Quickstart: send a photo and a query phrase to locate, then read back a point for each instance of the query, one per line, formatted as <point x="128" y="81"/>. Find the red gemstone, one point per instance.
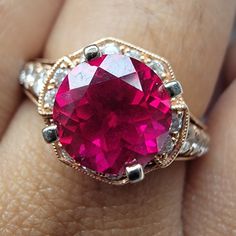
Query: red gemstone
<point x="112" y="111"/>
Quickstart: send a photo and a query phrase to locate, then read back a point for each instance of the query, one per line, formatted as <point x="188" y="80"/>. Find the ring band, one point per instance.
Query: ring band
<point x="127" y="72"/>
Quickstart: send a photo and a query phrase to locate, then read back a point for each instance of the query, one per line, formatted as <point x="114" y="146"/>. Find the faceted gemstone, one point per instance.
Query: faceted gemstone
<point x="111" y="112"/>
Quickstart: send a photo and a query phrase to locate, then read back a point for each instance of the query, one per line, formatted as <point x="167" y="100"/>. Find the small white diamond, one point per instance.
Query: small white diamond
<point x="59" y="75"/>
<point x="39" y="82"/>
<point x="133" y="53"/>
<point x="203" y="150"/>
<point x="176" y="122"/>
<point x="189" y="140"/>
<point x="168" y="146"/>
<point x="195" y="149"/>
<point x="110" y="48"/>
<point x="185" y="147"/>
<point x="38" y="85"/>
<point x="27" y="76"/>
<point x="50" y="98"/>
<point x="157" y="67"/>
<point x="22" y="77"/>
<point x="29" y="68"/>
<point x="29" y="81"/>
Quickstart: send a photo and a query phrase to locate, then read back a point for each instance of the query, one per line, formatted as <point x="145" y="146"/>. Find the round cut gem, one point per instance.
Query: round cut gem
<point x="111" y="112"/>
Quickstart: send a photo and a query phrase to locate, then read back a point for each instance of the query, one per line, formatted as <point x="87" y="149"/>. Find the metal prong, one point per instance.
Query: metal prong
<point x="50" y="133"/>
<point x="174" y="88"/>
<point x="135" y="173"/>
<point x="91" y="52"/>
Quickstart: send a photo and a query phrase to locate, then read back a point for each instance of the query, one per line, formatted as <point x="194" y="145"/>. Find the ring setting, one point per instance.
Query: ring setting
<point x="114" y="111"/>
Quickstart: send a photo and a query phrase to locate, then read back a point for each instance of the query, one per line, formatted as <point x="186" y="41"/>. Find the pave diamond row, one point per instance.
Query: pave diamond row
<point x="34" y="75"/>
<point x="196" y="143"/>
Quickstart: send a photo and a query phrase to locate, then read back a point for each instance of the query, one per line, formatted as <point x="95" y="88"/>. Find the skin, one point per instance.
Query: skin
<point x="41" y="196"/>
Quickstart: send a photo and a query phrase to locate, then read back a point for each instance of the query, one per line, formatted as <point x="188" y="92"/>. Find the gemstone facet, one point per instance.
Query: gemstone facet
<point x="112" y="112"/>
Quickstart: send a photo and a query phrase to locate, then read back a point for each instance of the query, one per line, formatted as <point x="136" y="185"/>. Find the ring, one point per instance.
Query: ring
<point x="114" y="111"/>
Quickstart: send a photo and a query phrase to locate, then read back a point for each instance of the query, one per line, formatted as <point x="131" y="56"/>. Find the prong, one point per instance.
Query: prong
<point x="174" y="88"/>
<point x="50" y="133"/>
<point x="91" y="51"/>
<point x="135" y="173"/>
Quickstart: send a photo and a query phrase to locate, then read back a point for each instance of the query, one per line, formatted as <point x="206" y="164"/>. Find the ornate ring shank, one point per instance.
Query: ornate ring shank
<point x="33" y="77"/>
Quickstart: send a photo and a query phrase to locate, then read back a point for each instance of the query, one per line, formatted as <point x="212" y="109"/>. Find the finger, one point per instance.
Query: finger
<point x="76" y="204"/>
<point x="210" y="200"/>
<point x="23" y="33"/>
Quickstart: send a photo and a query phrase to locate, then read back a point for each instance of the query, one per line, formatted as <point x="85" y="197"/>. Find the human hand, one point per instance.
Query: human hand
<point x="41" y="196"/>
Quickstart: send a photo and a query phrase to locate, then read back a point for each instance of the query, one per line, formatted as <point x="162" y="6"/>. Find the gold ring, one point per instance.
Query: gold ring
<point x="114" y="111"/>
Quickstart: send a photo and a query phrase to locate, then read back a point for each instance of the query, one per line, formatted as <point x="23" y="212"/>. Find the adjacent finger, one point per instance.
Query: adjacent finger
<point x="24" y="30"/>
<point x="210" y="199"/>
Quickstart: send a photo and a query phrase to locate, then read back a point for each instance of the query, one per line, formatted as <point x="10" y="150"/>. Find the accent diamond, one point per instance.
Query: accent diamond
<point x="185" y="147"/>
<point x="22" y="77"/>
<point x="111" y="48"/>
<point x="39" y="82"/>
<point x="157" y="67"/>
<point x="50" y="98"/>
<point x="27" y="76"/>
<point x="59" y="76"/>
<point x="134" y="54"/>
<point x="168" y="145"/>
<point x="176" y="122"/>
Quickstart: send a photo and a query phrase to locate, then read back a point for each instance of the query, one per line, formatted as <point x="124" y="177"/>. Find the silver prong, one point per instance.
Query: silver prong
<point x="135" y="173"/>
<point x="50" y="133"/>
<point x="174" y="88"/>
<point x="91" y="52"/>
